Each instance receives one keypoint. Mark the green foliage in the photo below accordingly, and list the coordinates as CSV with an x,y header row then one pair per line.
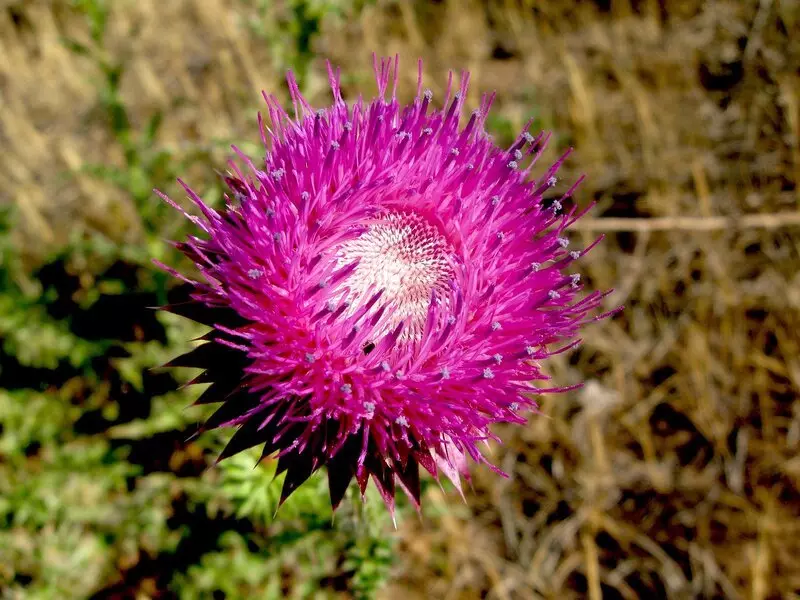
x,y
302,540
100,491
86,486
290,27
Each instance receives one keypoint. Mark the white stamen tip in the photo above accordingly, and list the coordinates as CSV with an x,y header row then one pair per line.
x,y
574,255
428,95
346,388
402,421
310,357
563,242
514,406
305,196
445,372
278,173
488,374
535,266
254,273
495,325
517,155
530,350
512,164
385,366
334,145
454,151
551,181
528,137
427,131
498,358
495,200
553,295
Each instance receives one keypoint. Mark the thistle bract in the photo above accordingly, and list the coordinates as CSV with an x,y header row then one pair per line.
x,y
381,288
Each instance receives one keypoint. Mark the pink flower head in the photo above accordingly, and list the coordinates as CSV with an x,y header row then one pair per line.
x,y
381,288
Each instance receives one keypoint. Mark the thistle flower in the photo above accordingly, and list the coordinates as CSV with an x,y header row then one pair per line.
x,y
381,289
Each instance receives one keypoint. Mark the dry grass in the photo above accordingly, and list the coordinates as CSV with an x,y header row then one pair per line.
x,y
675,471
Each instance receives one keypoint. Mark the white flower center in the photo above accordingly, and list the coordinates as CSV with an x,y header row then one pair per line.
x,y
409,259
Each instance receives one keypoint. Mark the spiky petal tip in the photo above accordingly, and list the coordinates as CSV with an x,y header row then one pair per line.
x,y
381,289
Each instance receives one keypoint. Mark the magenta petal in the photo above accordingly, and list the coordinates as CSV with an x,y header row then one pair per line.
x,y
381,287
452,462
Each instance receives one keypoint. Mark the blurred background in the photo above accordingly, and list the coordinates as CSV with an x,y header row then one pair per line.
x,y
674,473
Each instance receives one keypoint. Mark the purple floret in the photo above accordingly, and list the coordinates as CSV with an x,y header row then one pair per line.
x,y
381,289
